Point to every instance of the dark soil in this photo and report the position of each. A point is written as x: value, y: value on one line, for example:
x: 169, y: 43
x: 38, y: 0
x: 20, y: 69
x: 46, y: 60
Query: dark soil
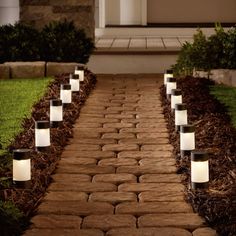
x: 216, y: 135
x: 44, y: 164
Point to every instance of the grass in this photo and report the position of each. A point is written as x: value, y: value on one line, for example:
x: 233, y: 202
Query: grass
x: 227, y: 96
x: 17, y: 96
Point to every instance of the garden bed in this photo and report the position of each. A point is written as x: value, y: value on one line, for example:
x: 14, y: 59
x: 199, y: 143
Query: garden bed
x: 43, y: 164
x: 216, y: 135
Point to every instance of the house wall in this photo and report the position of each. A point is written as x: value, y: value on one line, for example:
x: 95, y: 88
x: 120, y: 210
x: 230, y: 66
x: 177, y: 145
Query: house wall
x: 40, y: 12
x: 189, y: 11
x: 9, y: 11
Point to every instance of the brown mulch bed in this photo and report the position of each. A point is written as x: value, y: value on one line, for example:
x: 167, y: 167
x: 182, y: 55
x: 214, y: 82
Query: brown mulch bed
x: 44, y: 164
x: 215, y: 134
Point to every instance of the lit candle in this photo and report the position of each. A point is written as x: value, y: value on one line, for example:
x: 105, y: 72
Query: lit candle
x: 56, y: 113
x: 187, y: 139
x: 74, y: 82
x: 21, y: 168
x: 65, y: 93
x: 181, y: 116
x: 42, y: 135
x: 199, y: 169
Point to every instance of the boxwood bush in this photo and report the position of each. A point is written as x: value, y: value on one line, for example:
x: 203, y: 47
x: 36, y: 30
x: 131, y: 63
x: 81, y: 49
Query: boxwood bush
x: 57, y: 41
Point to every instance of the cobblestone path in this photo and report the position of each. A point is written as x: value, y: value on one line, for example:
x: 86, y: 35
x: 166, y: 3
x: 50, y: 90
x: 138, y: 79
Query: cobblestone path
x: 118, y: 176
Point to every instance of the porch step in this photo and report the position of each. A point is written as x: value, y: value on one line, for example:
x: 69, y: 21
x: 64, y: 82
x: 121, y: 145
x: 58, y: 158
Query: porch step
x: 131, y: 62
x: 151, y: 31
x: 138, y: 50
x: 116, y: 54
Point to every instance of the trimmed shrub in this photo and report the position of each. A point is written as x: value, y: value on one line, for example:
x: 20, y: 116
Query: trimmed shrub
x: 62, y: 42
x: 19, y: 43
x: 56, y: 42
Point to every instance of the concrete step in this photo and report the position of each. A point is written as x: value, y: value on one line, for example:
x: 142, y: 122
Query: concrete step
x: 150, y: 31
x: 127, y: 62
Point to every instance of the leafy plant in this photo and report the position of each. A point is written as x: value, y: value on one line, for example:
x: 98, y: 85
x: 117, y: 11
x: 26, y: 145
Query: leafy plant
x: 58, y: 41
x: 217, y: 51
x: 19, y: 42
x: 10, y: 219
x: 199, y: 53
x: 216, y: 44
x: 184, y: 65
x: 229, y: 49
x: 193, y: 56
x: 61, y: 41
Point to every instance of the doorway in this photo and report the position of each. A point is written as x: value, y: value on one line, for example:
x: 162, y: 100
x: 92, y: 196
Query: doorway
x: 120, y: 13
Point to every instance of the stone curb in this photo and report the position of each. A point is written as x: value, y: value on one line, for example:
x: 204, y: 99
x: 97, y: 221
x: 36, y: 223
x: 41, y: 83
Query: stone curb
x: 36, y: 69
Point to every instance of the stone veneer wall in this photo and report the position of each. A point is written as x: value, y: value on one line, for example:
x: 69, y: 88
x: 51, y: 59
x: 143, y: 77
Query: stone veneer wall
x: 40, y: 12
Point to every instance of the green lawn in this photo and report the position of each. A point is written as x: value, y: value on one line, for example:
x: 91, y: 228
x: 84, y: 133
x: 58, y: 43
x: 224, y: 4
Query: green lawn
x: 16, y: 99
x: 227, y: 96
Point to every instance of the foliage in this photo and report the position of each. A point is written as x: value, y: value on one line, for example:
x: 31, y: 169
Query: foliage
x: 227, y: 96
x: 184, y: 64
x: 229, y: 48
x: 57, y: 41
x: 216, y: 55
x: 10, y: 219
x: 17, y: 98
x: 19, y: 43
x: 217, y: 51
x: 199, y: 53
x: 61, y: 41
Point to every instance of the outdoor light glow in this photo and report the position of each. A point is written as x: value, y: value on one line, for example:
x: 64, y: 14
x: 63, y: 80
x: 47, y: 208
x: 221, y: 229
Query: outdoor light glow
x: 79, y: 70
x: 42, y: 134
x: 21, y: 165
x: 21, y: 170
x: 168, y: 73
x: 65, y: 93
x: 199, y: 169
x: 176, y: 97
x: 181, y: 115
x: 56, y: 112
x: 187, y: 139
x: 74, y: 82
x: 171, y: 84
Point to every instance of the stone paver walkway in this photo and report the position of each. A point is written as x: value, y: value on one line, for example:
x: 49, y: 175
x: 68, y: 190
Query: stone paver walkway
x: 118, y: 176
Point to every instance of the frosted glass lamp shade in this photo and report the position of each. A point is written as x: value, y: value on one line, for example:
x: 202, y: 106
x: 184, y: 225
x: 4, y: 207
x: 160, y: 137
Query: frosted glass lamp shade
x: 171, y: 84
x: 42, y: 135
x: 21, y: 167
x: 65, y: 93
x: 187, y: 139
x: 199, y: 170
x: 74, y: 82
x: 79, y: 70
x: 168, y: 73
x: 56, y: 113
x: 181, y: 115
x: 176, y: 97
